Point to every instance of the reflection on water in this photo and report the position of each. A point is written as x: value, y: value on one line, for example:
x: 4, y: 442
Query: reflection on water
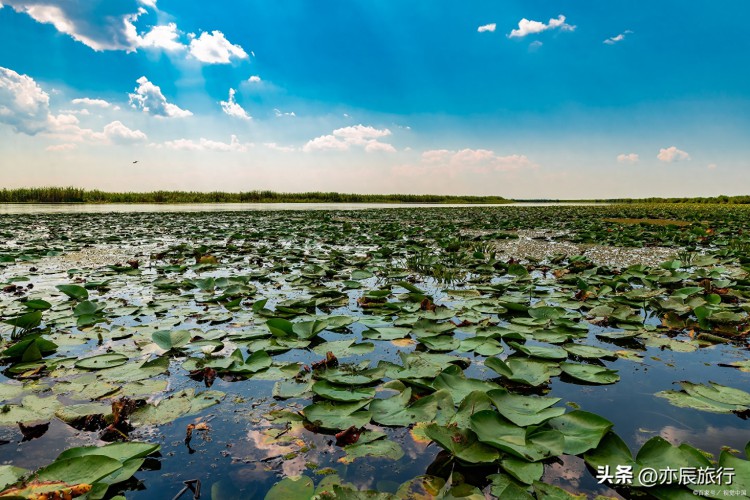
x: 706, y: 439
x: 570, y: 474
x: 84, y: 208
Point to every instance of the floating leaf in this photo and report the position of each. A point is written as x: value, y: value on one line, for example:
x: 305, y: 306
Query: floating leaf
x: 102, y: 361
x: 292, y: 488
x: 590, y: 373
x: 461, y: 443
x: 75, y: 292
x: 581, y: 430
x: 524, y: 410
x: 173, y: 339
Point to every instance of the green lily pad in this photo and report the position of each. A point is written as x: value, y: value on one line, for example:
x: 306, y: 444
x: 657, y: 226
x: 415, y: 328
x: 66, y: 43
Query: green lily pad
x: 525, y: 472
x: 527, y: 371
x: 171, y: 339
x: 79, y: 470
x: 552, y: 353
x: 503, y: 486
x: 590, y: 373
x: 337, y: 416
x: 589, y: 352
x: 524, y: 410
x: 530, y: 444
x: 75, y: 292
x: 292, y: 488
x: 581, y: 430
x: 715, y: 398
x: 182, y: 403
x: 10, y: 475
x: 335, y: 392
x: 372, y: 444
x: 458, y: 385
x: 102, y: 361
x: 461, y: 443
x: 396, y: 410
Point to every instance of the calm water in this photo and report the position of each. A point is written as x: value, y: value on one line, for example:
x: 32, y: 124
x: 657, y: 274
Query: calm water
x: 70, y: 208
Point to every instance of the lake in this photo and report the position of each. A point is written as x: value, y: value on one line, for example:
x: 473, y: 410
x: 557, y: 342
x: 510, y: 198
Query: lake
x: 485, y: 350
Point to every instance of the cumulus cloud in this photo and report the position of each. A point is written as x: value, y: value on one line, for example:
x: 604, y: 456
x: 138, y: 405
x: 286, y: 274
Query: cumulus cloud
x: 672, y: 154
x: 487, y: 27
x: 148, y: 97
x: 25, y: 107
x: 254, y: 79
x: 163, y: 37
x: 615, y: 39
x: 100, y: 25
x: 373, y: 146
x: 109, y: 25
x: 214, y: 48
x: 358, y: 135
x: 234, y: 145
x: 117, y: 133
x: 628, y: 158
x: 478, y: 160
x: 231, y: 107
x: 528, y: 27
x: 453, y: 163
x: 96, y: 103
x: 23, y: 104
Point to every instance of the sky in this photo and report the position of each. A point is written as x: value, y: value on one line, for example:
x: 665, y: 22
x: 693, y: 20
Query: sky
x: 523, y: 99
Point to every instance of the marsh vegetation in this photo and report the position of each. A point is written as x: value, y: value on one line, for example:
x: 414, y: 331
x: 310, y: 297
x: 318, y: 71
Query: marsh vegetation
x: 386, y: 353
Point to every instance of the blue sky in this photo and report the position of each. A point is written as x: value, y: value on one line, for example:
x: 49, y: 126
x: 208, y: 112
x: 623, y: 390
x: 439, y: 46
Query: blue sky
x: 529, y: 99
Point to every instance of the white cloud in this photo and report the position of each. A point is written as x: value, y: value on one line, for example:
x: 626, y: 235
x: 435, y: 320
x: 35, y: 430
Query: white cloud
x: 534, y: 46
x: 487, y: 27
x: 98, y: 25
x: 439, y: 163
x: 613, y: 40
x: 117, y: 133
x: 628, y: 158
x: 479, y: 160
x: 62, y: 147
x: 527, y: 27
x: 111, y: 25
x: 148, y: 97
x: 66, y: 127
x: 358, y: 135
x: 214, y: 48
x: 278, y: 113
x: 325, y: 142
x: 25, y: 107
x: 97, y: 103
x: 82, y: 112
x: 373, y: 146
x: 231, y: 107
x: 254, y: 79
x: 234, y: 145
x: 672, y: 154
x: 23, y: 104
x: 162, y: 37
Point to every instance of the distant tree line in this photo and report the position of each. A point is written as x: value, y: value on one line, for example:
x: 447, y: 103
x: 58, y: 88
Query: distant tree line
x: 78, y: 195
x: 727, y: 200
